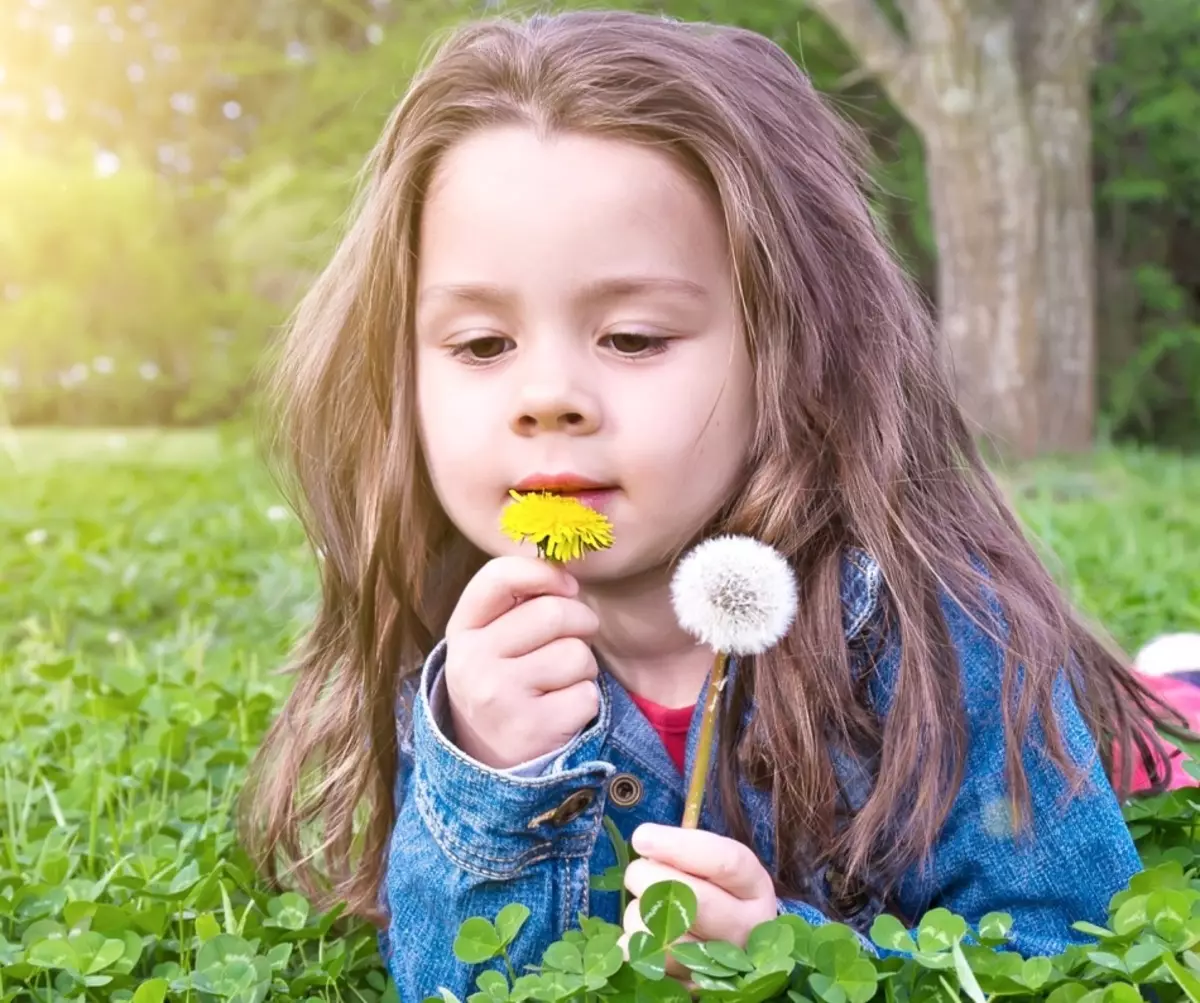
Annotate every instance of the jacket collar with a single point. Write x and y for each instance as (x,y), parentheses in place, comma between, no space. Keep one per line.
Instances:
(861,580)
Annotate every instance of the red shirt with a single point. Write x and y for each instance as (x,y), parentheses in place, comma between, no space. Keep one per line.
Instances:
(672,725)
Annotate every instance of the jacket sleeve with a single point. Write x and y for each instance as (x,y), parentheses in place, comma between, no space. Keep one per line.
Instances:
(468,840)
(1071,856)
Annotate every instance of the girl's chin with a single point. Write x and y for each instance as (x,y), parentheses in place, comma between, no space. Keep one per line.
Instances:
(610,567)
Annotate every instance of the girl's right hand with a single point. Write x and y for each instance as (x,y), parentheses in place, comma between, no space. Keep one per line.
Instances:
(519,671)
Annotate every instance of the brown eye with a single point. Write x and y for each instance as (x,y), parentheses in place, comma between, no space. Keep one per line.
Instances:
(636,344)
(482,349)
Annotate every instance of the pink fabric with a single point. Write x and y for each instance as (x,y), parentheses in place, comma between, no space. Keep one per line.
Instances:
(1183,696)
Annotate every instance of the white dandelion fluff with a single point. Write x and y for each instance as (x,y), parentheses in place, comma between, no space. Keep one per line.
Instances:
(736,594)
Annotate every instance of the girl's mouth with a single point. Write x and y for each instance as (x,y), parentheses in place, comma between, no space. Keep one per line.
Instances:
(597,498)
(594,494)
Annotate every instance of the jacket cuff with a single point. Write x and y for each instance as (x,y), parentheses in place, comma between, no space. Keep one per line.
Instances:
(439,702)
(496,822)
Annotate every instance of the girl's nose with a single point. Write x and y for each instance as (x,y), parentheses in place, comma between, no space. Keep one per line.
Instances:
(555,405)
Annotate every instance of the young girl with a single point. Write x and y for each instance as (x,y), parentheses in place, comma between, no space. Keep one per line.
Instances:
(631,259)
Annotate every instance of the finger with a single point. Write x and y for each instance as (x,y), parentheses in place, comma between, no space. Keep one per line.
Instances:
(538,621)
(725,862)
(579,703)
(504,583)
(714,906)
(557,665)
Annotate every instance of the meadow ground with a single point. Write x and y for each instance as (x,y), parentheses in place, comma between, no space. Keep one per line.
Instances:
(150,583)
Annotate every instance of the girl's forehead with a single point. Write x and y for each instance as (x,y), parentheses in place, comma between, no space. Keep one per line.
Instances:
(628,181)
(504,199)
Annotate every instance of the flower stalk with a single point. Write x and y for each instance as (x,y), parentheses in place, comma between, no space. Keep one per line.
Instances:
(704,744)
(738,596)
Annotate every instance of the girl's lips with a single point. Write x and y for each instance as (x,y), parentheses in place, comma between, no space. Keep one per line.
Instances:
(564,483)
(597,498)
(593,494)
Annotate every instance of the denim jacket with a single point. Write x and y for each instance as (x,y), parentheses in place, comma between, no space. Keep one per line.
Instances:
(469,839)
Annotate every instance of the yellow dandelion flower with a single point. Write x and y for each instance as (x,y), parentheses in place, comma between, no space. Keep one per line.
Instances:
(563,528)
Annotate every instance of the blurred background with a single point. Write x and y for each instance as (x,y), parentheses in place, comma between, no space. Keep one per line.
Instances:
(172,172)
(172,175)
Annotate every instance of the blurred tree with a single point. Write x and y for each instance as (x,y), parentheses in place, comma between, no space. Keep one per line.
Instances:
(171,174)
(180,83)
(999,93)
(197,159)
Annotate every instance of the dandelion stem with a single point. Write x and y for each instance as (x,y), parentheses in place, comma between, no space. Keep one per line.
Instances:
(708,727)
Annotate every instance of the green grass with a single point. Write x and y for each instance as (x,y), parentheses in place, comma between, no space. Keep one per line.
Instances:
(149,586)
(1121,531)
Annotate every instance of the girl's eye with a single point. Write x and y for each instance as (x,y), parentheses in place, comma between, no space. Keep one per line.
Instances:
(479,350)
(636,344)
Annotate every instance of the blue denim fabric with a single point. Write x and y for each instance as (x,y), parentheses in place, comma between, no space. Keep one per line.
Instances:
(469,839)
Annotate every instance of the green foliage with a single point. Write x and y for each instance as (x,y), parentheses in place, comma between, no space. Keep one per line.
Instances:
(1119,532)
(1146,112)
(191,261)
(107,313)
(1153,928)
(152,582)
(1150,939)
(183,257)
(1145,115)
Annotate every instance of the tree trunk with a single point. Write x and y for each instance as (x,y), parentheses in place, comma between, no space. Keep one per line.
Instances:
(980,175)
(999,95)
(1067,299)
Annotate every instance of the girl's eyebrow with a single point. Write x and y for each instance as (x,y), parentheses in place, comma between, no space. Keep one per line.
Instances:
(594,293)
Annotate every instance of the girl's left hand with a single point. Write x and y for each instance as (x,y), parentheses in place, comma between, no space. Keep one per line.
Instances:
(734,892)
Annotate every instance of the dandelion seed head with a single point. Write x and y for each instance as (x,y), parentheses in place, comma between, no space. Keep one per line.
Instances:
(735,594)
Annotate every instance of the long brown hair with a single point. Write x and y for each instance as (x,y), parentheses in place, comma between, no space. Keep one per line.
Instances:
(859,444)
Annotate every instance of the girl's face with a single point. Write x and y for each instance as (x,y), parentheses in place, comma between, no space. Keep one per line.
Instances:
(577,329)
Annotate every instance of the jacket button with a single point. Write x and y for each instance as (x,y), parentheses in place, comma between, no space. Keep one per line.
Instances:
(572,807)
(625,790)
(847,896)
